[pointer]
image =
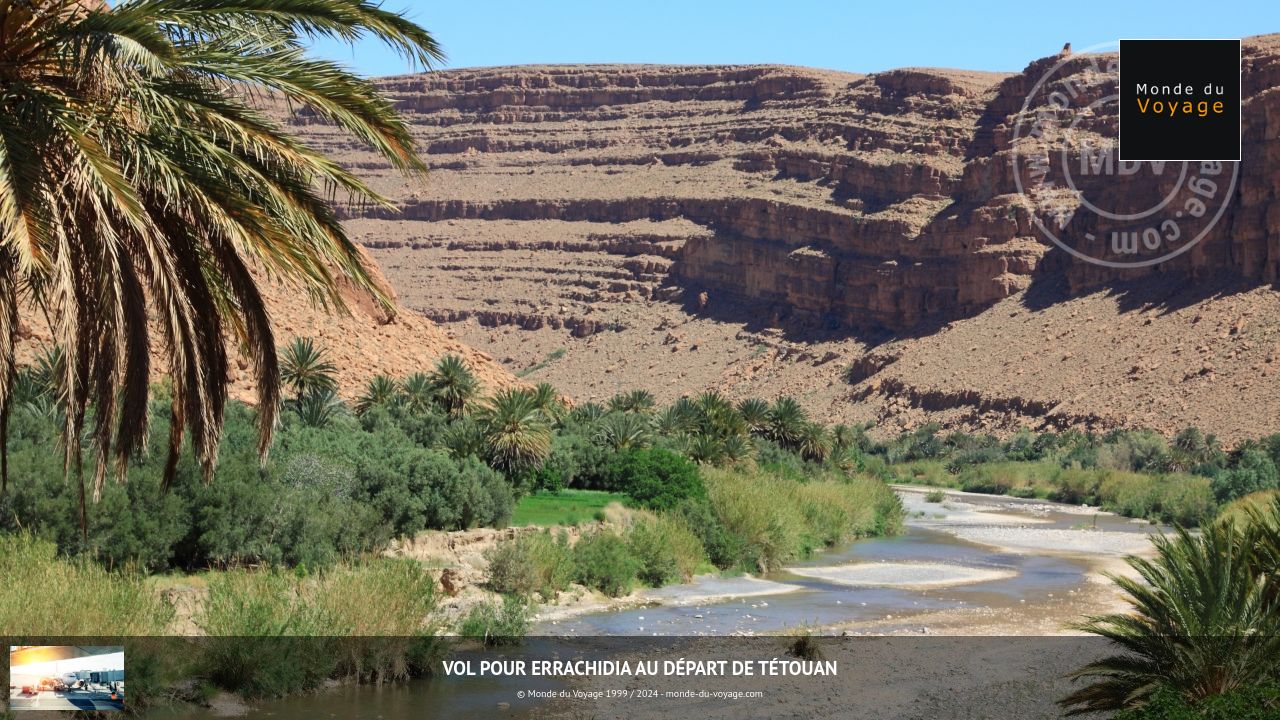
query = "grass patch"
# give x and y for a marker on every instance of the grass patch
(1237, 510)
(277, 633)
(43, 594)
(771, 520)
(551, 357)
(495, 624)
(668, 550)
(1169, 497)
(566, 507)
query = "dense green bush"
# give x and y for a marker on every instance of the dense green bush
(1171, 497)
(722, 547)
(1252, 471)
(575, 461)
(603, 561)
(419, 489)
(327, 492)
(1174, 498)
(655, 478)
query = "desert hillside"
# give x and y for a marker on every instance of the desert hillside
(856, 241)
(362, 343)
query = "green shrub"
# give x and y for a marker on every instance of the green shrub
(1252, 472)
(666, 549)
(935, 496)
(756, 510)
(1255, 702)
(655, 478)
(531, 562)
(828, 514)
(328, 492)
(1076, 486)
(1133, 450)
(723, 548)
(1238, 510)
(924, 472)
(418, 489)
(497, 624)
(1174, 498)
(603, 561)
(769, 521)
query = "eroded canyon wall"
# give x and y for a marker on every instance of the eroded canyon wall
(858, 202)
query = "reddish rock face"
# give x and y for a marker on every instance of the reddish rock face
(756, 230)
(860, 202)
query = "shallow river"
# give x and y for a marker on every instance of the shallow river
(1050, 563)
(1024, 577)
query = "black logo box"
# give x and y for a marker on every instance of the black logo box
(1188, 66)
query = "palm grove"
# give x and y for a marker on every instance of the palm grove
(147, 182)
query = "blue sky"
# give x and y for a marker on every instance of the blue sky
(858, 36)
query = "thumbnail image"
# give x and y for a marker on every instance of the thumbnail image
(66, 677)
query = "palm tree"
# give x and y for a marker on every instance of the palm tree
(463, 437)
(380, 392)
(453, 384)
(1265, 521)
(318, 408)
(787, 422)
(755, 412)
(717, 416)
(517, 436)
(49, 374)
(682, 416)
(737, 450)
(142, 177)
(843, 437)
(705, 449)
(814, 444)
(636, 401)
(417, 393)
(671, 421)
(712, 404)
(549, 402)
(622, 431)
(587, 412)
(305, 367)
(1205, 621)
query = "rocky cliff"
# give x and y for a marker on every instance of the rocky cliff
(785, 223)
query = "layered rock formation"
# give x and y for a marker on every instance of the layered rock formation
(816, 192)
(759, 229)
